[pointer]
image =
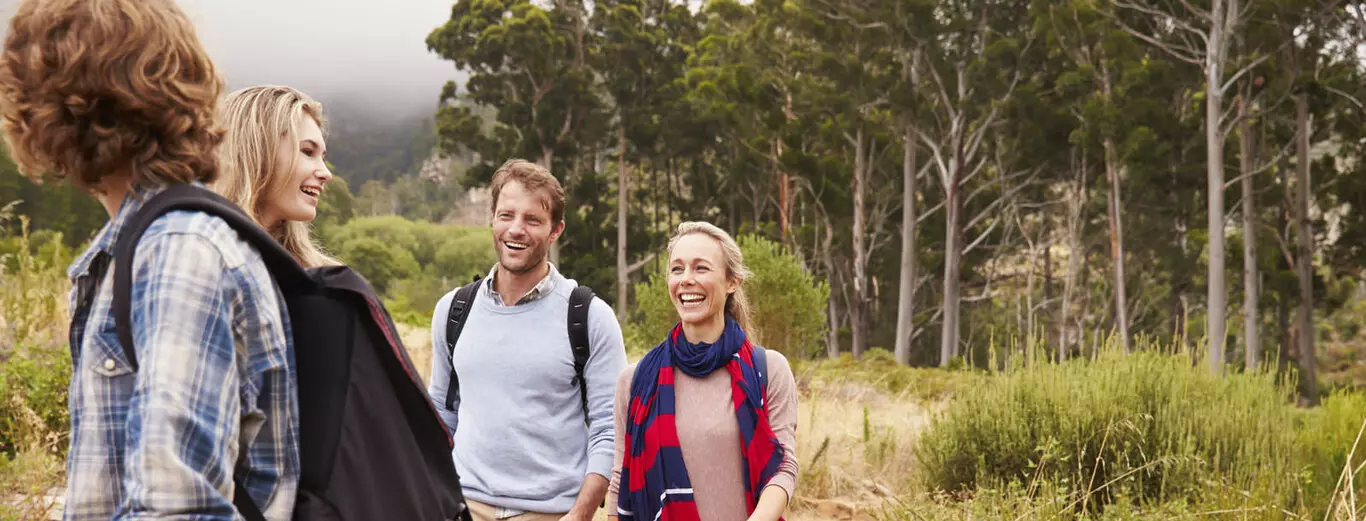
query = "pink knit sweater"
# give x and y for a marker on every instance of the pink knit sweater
(710, 436)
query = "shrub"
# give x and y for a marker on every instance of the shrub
(787, 303)
(412, 263)
(34, 363)
(1145, 427)
(1328, 435)
(380, 262)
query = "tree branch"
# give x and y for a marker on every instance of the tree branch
(1265, 166)
(978, 241)
(1344, 95)
(1190, 57)
(1006, 197)
(1250, 66)
(1176, 21)
(641, 263)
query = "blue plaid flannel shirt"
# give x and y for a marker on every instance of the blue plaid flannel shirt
(214, 393)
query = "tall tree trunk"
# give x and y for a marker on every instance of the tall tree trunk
(1115, 214)
(953, 259)
(906, 300)
(1117, 243)
(1287, 356)
(856, 306)
(1304, 263)
(1252, 341)
(1047, 290)
(1029, 300)
(622, 274)
(1076, 205)
(548, 158)
(832, 340)
(1283, 357)
(1214, 158)
(784, 183)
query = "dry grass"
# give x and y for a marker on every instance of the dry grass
(418, 342)
(854, 444)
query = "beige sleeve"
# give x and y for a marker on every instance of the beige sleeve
(782, 417)
(623, 396)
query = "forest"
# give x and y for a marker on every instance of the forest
(966, 174)
(1050, 259)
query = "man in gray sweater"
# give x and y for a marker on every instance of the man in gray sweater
(522, 449)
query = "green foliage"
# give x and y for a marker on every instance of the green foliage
(382, 263)
(1327, 437)
(335, 209)
(57, 206)
(786, 302)
(1145, 428)
(34, 362)
(412, 263)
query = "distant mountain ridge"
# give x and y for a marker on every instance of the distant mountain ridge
(368, 141)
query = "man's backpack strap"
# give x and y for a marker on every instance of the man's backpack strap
(282, 265)
(455, 323)
(580, 300)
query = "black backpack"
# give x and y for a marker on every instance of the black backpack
(579, 301)
(372, 446)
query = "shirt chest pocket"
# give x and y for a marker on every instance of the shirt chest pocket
(105, 355)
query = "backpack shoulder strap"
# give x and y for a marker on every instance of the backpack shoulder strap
(455, 324)
(283, 267)
(580, 301)
(193, 198)
(761, 366)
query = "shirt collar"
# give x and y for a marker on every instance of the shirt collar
(541, 289)
(108, 236)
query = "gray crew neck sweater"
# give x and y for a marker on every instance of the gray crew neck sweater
(520, 438)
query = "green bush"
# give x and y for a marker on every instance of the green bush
(33, 413)
(34, 363)
(1328, 435)
(1145, 428)
(412, 263)
(380, 262)
(787, 304)
(464, 254)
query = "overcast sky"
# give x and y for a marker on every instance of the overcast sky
(328, 48)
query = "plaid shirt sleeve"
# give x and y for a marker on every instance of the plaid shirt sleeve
(194, 400)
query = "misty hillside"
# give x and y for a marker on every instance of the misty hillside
(367, 141)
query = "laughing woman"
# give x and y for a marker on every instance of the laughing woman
(702, 433)
(271, 164)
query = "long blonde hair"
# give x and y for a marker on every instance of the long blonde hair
(255, 119)
(737, 306)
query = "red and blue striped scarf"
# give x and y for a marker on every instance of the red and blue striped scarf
(654, 481)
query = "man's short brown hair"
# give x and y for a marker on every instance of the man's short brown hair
(89, 88)
(533, 177)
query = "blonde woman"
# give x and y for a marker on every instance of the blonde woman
(702, 432)
(272, 164)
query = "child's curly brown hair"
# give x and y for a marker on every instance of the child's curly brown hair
(90, 88)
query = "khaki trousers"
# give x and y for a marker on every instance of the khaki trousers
(482, 512)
